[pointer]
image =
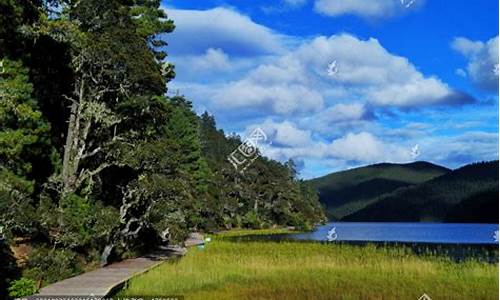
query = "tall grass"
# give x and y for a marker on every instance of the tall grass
(293, 270)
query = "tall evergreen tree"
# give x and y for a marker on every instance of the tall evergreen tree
(25, 149)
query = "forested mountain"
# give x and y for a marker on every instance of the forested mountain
(347, 192)
(96, 163)
(468, 194)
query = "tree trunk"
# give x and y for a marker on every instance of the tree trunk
(70, 160)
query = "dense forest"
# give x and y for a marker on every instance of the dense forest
(346, 192)
(96, 162)
(467, 194)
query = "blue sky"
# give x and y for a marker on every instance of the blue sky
(411, 79)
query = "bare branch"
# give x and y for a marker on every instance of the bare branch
(92, 153)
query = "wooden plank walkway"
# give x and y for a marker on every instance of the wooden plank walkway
(102, 282)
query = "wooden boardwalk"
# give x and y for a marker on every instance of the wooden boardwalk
(104, 281)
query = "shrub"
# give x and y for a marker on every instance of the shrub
(51, 265)
(22, 287)
(251, 220)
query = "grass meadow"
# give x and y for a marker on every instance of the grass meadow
(225, 269)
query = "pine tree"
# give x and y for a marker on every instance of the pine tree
(25, 151)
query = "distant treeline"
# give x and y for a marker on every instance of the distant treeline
(346, 192)
(468, 194)
(414, 192)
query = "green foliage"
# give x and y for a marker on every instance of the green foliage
(23, 131)
(94, 156)
(267, 194)
(17, 213)
(51, 265)
(346, 192)
(440, 199)
(77, 219)
(22, 287)
(78, 223)
(25, 152)
(251, 220)
(15, 13)
(151, 22)
(85, 222)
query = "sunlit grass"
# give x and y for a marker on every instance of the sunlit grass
(298, 270)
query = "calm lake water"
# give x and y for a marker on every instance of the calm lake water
(403, 232)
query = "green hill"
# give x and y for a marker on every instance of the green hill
(468, 194)
(344, 193)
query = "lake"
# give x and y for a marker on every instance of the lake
(442, 233)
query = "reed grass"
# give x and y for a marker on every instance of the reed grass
(225, 269)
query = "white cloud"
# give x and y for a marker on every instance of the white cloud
(212, 60)
(220, 28)
(364, 8)
(246, 73)
(418, 91)
(295, 3)
(361, 147)
(483, 57)
(458, 150)
(339, 118)
(365, 147)
(280, 99)
(467, 47)
(385, 79)
(285, 134)
(343, 112)
(298, 81)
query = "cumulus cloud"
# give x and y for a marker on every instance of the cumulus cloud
(283, 99)
(284, 134)
(298, 81)
(458, 150)
(365, 147)
(363, 8)
(338, 118)
(344, 112)
(214, 63)
(362, 147)
(466, 47)
(417, 91)
(482, 59)
(384, 78)
(246, 73)
(211, 60)
(221, 28)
